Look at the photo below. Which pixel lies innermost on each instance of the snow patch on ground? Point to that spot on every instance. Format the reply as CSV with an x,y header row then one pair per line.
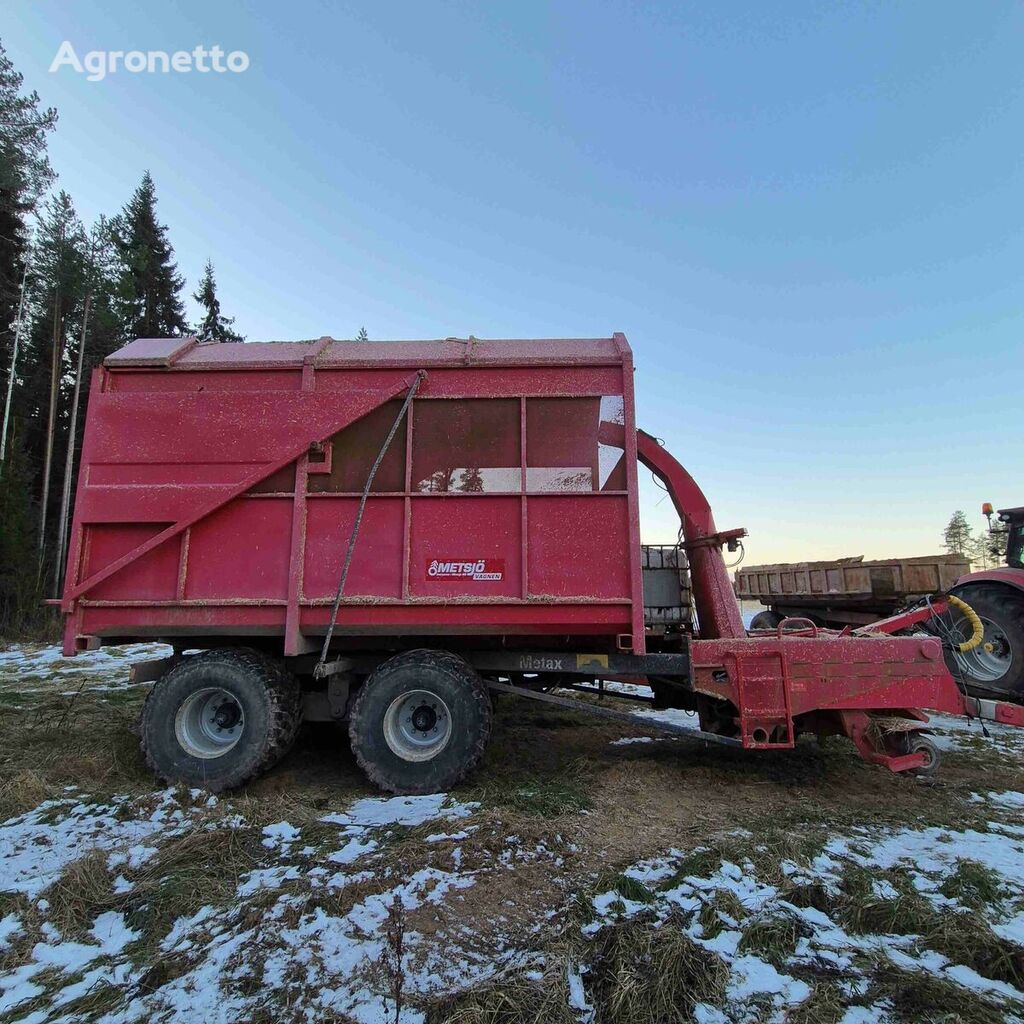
x,y
37,846
402,810
1009,799
929,856
33,659
953,733
669,716
328,960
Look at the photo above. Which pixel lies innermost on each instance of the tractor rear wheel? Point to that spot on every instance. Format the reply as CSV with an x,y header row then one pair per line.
x,y
220,718
420,723
997,663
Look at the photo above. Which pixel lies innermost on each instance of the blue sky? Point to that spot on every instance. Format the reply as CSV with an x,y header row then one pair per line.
x,y
806,218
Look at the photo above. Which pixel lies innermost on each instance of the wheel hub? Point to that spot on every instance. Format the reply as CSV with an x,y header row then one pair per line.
x,y
424,718
417,725
209,723
227,715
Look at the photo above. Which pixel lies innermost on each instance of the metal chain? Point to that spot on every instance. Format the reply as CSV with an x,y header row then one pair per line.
x,y
420,375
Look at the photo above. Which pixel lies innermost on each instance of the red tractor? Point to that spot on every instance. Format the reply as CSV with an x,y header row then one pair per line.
x,y
997,595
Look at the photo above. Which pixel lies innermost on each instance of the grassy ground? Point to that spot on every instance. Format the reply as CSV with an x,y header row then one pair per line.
x,y
569,879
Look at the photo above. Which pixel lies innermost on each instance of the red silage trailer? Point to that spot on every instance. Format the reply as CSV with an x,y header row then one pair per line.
x,y
382,532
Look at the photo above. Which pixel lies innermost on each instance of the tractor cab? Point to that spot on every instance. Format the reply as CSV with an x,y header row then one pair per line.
x,y
1011,525
1014,519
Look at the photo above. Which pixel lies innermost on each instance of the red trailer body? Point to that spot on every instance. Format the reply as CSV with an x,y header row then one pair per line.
x,y
219,485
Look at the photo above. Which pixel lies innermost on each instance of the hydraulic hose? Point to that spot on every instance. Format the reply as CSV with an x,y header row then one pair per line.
x,y
971,615
320,671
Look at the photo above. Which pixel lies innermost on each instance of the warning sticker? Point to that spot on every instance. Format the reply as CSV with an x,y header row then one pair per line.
x,y
479,569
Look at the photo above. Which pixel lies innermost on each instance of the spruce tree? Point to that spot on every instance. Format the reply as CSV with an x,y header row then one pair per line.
x,y
95,340
20,595
106,333
214,326
62,280
25,174
362,335
149,288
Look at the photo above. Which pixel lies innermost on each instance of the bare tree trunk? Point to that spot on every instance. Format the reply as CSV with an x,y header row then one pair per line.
x,y
69,462
51,422
14,359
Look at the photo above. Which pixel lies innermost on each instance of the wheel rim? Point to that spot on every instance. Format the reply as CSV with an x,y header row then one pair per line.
x,y
929,753
417,725
209,723
991,659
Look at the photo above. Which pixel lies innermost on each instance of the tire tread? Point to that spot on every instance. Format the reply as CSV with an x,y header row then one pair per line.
x,y
284,698
449,662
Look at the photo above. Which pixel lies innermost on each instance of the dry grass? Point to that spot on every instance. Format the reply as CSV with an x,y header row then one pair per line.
x,y
915,997
19,949
643,973
202,866
808,894
827,1004
963,936
100,999
515,999
25,790
773,937
86,739
83,891
968,939
862,911
973,884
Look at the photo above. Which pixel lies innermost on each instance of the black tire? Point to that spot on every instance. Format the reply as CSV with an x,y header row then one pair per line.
x,y
269,701
1002,609
384,738
765,620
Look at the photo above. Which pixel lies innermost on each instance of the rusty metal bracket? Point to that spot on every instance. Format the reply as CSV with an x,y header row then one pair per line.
x,y
716,540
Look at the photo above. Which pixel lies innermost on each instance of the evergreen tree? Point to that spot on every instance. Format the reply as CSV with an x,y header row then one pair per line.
x,y
20,595
989,547
149,288
957,535
214,326
62,273
95,340
25,173
980,551
362,335
106,333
